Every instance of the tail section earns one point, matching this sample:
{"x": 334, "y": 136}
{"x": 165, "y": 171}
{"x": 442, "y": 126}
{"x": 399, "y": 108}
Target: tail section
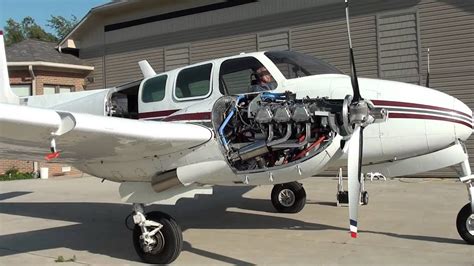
{"x": 6, "y": 93}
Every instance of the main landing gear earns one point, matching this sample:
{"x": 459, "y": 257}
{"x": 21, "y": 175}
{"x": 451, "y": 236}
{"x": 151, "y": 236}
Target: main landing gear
{"x": 465, "y": 219}
{"x": 157, "y": 237}
{"x": 288, "y": 197}
{"x": 342, "y": 196}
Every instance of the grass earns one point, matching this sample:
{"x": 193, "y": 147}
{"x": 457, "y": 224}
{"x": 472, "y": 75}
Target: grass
{"x": 15, "y": 174}
{"x": 61, "y": 259}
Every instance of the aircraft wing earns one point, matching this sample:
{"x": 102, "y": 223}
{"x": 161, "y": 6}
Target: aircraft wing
{"x": 26, "y": 134}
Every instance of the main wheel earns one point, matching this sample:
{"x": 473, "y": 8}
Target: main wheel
{"x": 365, "y": 198}
{"x": 465, "y": 224}
{"x": 168, "y": 242}
{"x": 288, "y": 197}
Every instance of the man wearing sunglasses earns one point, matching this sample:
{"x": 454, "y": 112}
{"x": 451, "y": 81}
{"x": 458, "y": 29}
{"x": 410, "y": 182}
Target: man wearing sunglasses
{"x": 264, "y": 81}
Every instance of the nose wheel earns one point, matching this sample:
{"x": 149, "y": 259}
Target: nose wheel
{"x": 465, "y": 224}
{"x": 288, "y": 197}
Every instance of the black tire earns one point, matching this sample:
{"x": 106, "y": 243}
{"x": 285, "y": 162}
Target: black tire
{"x": 170, "y": 235}
{"x": 365, "y": 198}
{"x": 299, "y": 197}
{"x": 461, "y": 224}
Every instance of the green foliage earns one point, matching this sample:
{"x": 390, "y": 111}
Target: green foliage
{"x": 28, "y": 29}
{"x": 15, "y": 174}
{"x": 13, "y": 32}
{"x": 62, "y": 25}
{"x": 61, "y": 259}
{"x": 31, "y": 30}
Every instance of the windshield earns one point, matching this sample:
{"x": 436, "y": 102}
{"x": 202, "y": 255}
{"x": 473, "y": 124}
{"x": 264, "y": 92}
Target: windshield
{"x": 295, "y": 65}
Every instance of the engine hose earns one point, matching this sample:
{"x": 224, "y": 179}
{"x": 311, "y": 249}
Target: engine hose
{"x": 316, "y": 143}
{"x": 226, "y": 121}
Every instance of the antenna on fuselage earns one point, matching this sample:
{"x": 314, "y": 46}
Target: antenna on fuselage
{"x": 146, "y": 69}
{"x": 428, "y": 70}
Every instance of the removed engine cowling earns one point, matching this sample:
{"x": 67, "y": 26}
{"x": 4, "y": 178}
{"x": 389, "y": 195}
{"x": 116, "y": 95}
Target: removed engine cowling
{"x": 267, "y": 130}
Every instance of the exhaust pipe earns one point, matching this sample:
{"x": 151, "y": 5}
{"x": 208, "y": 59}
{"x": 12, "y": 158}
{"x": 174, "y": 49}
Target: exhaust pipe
{"x": 205, "y": 172}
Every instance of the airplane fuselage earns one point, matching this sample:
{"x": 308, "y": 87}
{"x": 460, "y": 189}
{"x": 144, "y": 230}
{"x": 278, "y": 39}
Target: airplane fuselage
{"x": 419, "y": 121}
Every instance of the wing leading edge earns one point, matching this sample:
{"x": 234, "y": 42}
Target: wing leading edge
{"x": 26, "y": 134}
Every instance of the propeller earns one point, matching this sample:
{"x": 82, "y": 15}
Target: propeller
{"x": 355, "y": 82}
{"x": 358, "y": 117}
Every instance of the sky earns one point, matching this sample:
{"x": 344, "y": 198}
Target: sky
{"x": 41, "y": 10}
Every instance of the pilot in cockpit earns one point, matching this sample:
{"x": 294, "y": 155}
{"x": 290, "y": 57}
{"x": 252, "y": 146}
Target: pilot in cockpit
{"x": 263, "y": 82}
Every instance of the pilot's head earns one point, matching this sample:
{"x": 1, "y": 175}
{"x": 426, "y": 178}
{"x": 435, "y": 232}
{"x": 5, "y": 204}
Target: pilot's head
{"x": 263, "y": 75}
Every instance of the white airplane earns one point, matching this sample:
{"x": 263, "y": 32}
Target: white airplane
{"x": 202, "y": 125}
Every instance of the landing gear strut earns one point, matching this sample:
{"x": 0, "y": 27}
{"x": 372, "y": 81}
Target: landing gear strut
{"x": 342, "y": 196}
{"x": 465, "y": 218}
{"x": 157, "y": 237}
{"x": 288, "y": 197}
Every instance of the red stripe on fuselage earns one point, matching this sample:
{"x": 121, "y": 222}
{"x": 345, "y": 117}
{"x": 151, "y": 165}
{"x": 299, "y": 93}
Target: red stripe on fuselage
{"x": 417, "y": 105}
{"x": 157, "y": 114}
{"x": 189, "y": 117}
{"x": 427, "y": 117}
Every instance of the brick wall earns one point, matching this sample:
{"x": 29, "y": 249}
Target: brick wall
{"x": 23, "y": 166}
{"x": 44, "y": 77}
{"x": 74, "y": 80}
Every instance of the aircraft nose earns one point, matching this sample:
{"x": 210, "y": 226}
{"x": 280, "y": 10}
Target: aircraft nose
{"x": 464, "y": 114}
{"x": 420, "y": 119}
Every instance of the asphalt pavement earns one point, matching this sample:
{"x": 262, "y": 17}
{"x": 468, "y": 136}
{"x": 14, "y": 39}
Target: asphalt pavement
{"x": 407, "y": 222}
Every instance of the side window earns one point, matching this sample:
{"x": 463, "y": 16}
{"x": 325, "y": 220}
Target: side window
{"x": 193, "y": 82}
{"x": 153, "y": 90}
{"x": 243, "y": 75}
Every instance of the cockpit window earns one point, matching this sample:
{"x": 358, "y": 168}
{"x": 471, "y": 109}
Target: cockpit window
{"x": 244, "y": 75}
{"x": 295, "y": 65}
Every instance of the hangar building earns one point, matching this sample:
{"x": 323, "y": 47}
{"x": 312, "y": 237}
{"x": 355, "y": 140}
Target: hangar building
{"x": 390, "y": 38}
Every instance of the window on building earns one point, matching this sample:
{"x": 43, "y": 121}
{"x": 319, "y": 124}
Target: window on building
{"x": 49, "y": 89}
{"x": 54, "y": 89}
{"x": 21, "y": 90}
{"x": 194, "y": 82}
{"x": 239, "y": 75}
{"x": 153, "y": 89}
{"x": 63, "y": 89}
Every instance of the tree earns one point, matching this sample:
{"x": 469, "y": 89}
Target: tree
{"x": 27, "y": 29}
{"x": 31, "y": 30}
{"x": 62, "y": 25}
{"x": 13, "y": 32}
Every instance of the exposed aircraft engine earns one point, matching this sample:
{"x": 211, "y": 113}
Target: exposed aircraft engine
{"x": 260, "y": 131}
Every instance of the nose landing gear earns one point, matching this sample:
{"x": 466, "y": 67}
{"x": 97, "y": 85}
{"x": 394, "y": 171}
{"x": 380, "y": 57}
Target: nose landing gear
{"x": 465, "y": 218}
{"x": 465, "y": 224}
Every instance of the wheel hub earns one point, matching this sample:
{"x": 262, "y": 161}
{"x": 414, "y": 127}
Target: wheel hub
{"x": 470, "y": 224}
{"x": 286, "y": 197}
{"x": 154, "y": 244}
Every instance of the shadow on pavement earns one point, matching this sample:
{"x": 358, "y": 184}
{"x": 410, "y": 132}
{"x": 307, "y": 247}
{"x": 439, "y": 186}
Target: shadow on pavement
{"x": 100, "y": 227}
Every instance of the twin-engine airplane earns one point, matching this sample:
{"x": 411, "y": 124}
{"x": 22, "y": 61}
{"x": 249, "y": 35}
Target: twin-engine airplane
{"x": 176, "y": 133}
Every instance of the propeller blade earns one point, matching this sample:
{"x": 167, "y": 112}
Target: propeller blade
{"x": 355, "y": 82}
{"x": 354, "y": 163}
